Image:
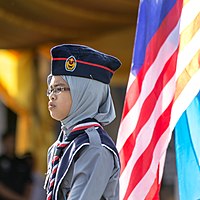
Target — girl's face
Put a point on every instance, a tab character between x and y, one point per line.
60	100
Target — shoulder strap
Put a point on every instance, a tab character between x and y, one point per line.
93	135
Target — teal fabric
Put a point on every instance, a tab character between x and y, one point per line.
187	145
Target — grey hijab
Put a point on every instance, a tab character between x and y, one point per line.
90	99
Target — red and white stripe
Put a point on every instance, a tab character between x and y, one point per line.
85	126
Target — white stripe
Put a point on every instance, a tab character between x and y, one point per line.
86	124
143	139
187	53
162	163
130	80
189	12
185	98
129	122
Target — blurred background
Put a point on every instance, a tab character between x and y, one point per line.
29	29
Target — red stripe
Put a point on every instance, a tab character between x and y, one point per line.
59	58
52	183
143	163
88	63
62	144
55	170
155	188
152	50
55	158
147	109
49	197
85	127
95	65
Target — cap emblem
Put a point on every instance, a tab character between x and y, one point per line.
70	64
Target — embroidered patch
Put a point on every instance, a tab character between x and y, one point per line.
70	64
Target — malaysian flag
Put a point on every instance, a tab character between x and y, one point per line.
158	92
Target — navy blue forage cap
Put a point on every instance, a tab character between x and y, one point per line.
83	61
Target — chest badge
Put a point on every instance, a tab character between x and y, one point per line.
70	64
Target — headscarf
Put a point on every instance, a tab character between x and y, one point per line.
90	99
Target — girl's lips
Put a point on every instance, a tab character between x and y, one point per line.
51	105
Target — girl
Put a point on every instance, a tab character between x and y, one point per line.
83	164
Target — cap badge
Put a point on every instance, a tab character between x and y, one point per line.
70	63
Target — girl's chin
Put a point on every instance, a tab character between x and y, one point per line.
55	116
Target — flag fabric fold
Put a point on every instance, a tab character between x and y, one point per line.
163	71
